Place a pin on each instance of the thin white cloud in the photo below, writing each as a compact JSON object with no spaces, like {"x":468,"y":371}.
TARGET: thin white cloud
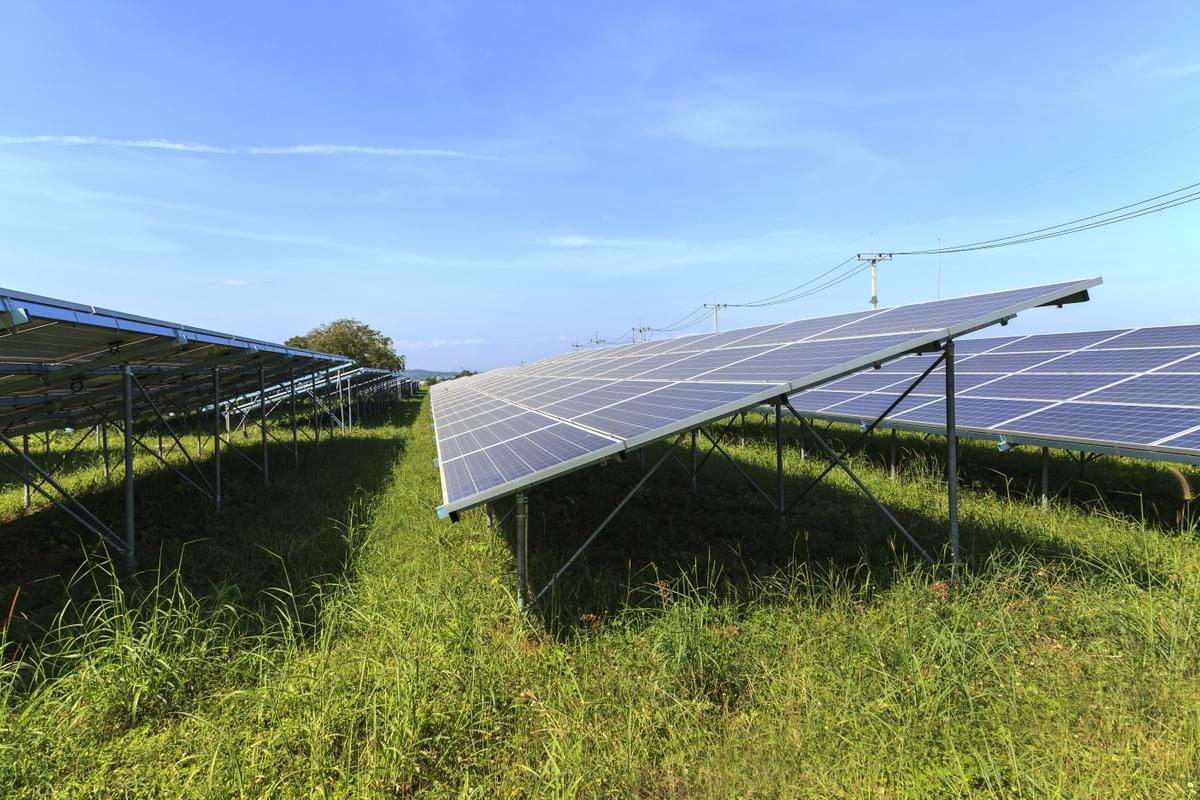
{"x":434,"y":344}
{"x":244,"y":150}
{"x":727,"y":122}
{"x":574,"y":241}
{"x":235,"y":282}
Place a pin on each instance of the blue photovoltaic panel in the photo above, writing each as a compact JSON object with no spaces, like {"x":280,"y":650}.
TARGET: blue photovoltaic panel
{"x":509,"y":429}
{"x":1132,"y":390}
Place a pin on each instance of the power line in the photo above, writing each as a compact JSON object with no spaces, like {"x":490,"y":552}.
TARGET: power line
{"x":839,"y":273}
{"x":1178,"y":197}
{"x":766,"y":301}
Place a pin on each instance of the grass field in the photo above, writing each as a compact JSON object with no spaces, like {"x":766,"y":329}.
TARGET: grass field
{"x":328,"y":636}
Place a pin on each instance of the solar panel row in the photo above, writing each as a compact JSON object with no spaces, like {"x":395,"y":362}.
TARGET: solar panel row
{"x":1132,"y":390}
{"x":61,"y":362}
{"x":510,"y":428}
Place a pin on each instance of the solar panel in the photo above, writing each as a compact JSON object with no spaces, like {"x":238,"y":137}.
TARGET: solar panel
{"x":60,"y":362}
{"x":588,"y":406}
{"x":1134,"y":391}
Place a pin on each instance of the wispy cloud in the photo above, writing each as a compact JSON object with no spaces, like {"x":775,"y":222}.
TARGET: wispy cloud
{"x":744,"y":122}
{"x":574,"y":241}
{"x":246,"y":149}
{"x":434,"y":344}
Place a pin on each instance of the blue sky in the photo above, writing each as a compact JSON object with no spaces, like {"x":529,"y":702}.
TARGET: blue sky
{"x":487,"y":182}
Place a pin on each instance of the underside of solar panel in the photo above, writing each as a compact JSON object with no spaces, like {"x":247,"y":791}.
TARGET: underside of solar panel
{"x":1133,"y":391}
{"x":509,"y":429}
{"x":61,"y":362}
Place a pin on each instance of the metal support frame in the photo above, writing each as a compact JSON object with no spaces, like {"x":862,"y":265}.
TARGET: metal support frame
{"x":839,"y":462}
{"x":951,"y":454}
{"x":695,"y":462}
{"x":522,"y":547}
{"x":65,"y":502}
{"x":216,"y":381}
{"x":599,"y":528}
{"x":25,"y":471}
{"x":779,"y":457}
{"x":104,"y":449}
{"x":161,"y":424}
{"x":716,"y":446}
{"x":1045,"y":477}
{"x":892,"y":455}
{"x":1080,"y":471}
{"x":262,"y":424}
{"x":130,"y":530}
{"x":863,"y":434}
{"x":292,"y":417}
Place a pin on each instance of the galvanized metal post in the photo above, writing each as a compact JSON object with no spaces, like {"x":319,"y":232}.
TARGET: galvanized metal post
{"x":316,"y":411}
{"x":1045,"y":477}
{"x":217,"y":436}
{"x":25,"y":467}
{"x":522,"y":543}
{"x":892,"y":455}
{"x":951,"y":453}
{"x":262,"y":423}
{"x":695,"y":463}
{"x":295,"y":441}
{"x":779,"y":506}
{"x":349,"y":407}
{"x":130,"y":530}
{"x":104,"y":449}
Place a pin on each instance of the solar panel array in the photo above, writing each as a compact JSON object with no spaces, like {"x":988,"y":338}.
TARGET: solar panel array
{"x":358,"y":380}
{"x":60,"y":362}
{"x":512,"y":428}
{"x":1134,"y":390}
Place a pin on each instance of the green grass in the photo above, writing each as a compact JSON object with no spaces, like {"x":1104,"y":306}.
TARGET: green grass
{"x":330,"y":637}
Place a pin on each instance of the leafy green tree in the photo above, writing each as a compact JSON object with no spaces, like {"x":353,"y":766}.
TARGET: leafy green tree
{"x":353,"y":339}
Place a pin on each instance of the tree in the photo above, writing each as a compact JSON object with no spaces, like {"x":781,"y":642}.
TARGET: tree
{"x":353,"y":339}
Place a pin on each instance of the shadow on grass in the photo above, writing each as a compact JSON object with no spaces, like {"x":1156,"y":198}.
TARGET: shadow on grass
{"x":728,"y":540}
{"x":290,"y":533}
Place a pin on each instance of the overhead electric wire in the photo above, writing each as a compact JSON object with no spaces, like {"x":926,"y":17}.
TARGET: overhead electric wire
{"x":686,"y":321}
{"x":1151,"y":205}
{"x":1098,"y":220}
{"x":769,"y":300}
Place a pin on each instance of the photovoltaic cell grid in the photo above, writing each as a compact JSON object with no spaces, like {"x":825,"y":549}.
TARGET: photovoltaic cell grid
{"x":511,"y":428}
{"x":1134,"y":390}
{"x":61,"y":362}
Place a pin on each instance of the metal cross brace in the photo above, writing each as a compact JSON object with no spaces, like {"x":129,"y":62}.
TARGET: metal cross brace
{"x":66,"y":502}
{"x":600,"y":528}
{"x":863,"y":434}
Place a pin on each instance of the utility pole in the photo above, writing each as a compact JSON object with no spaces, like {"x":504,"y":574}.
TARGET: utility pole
{"x":576,"y":345}
{"x":716,"y":309}
{"x":641,"y":334}
{"x":597,"y":341}
{"x":874,"y":258}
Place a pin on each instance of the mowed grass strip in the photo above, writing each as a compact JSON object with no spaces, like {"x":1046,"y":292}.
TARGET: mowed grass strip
{"x":335,"y":639}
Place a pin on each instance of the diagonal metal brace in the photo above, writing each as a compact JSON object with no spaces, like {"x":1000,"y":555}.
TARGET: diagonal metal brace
{"x":600,"y":528}
{"x":162,"y":419}
{"x":69,"y":504}
{"x":863,"y":435}
{"x":716,"y":446}
{"x":837,"y":460}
